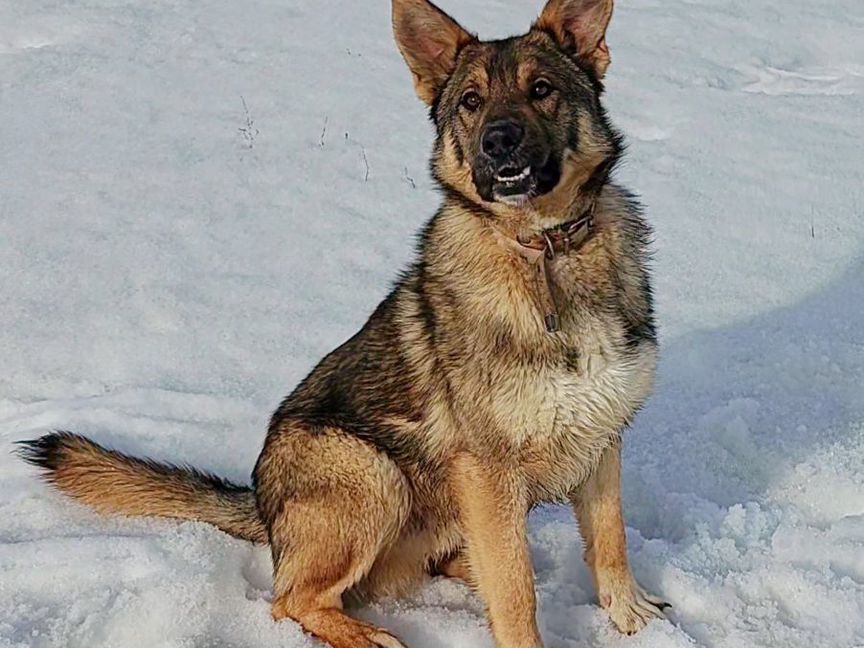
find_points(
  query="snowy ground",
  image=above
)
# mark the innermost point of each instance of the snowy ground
(172, 265)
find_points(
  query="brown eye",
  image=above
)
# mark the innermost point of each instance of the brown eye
(541, 89)
(471, 100)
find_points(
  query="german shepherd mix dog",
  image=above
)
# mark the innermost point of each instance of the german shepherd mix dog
(498, 374)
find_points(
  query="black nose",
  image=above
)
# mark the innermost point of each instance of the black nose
(501, 138)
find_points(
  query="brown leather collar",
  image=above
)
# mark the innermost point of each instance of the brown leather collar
(542, 248)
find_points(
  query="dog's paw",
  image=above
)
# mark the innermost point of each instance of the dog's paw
(383, 639)
(630, 607)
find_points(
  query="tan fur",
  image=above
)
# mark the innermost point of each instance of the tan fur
(429, 40)
(581, 25)
(335, 628)
(597, 505)
(418, 447)
(459, 568)
(540, 458)
(113, 483)
(493, 507)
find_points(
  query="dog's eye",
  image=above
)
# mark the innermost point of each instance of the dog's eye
(541, 89)
(471, 100)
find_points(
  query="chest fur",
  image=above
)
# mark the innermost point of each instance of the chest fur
(556, 413)
(551, 402)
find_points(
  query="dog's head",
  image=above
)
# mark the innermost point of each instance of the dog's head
(519, 119)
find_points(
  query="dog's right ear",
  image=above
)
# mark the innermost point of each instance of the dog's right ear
(430, 41)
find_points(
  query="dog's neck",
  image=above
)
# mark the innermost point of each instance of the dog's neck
(559, 239)
(541, 248)
(557, 224)
(538, 218)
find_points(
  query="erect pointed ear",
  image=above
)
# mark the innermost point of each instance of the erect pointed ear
(430, 41)
(580, 27)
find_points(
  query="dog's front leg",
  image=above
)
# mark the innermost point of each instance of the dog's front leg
(493, 511)
(597, 504)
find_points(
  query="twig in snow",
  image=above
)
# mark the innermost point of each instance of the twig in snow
(365, 162)
(248, 131)
(323, 133)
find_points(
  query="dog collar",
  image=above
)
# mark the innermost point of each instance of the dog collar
(542, 248)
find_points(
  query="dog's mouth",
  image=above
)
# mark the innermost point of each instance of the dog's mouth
(512, 184)
(516, 183)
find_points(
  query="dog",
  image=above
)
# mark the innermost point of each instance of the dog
(498, 374)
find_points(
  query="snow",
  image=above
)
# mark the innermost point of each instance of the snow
(173, 263)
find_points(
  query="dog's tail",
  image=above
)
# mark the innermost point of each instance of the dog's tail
(112, 482)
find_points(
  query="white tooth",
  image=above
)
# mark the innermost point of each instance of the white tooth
(522, 175)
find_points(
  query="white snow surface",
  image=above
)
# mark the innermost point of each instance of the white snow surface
(173, 263)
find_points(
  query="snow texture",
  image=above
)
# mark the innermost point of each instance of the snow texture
(200, 199)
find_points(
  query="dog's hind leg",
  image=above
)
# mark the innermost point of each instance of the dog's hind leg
(459, 568)
(332, 505)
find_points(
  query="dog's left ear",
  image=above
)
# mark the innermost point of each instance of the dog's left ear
(430, 41)
(580, 27)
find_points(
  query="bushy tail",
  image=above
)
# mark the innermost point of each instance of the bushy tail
(111, 482)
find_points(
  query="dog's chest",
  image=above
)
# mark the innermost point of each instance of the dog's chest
(560, 415)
